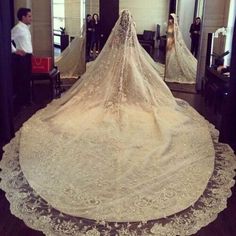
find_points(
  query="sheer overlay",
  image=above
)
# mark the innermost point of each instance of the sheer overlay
(71, 62)
(181, 65)
(117, 154)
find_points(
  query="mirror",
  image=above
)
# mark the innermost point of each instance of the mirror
(187, 18)
(68, 18)
(92, 22)
(182, 45)
(156, 21)
(216, 15)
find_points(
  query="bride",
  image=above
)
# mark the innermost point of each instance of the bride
(117, 148)
(181, 65)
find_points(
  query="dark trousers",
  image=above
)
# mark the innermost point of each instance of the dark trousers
(194, 45)
(22, 70)
(94, 41)
(88, 44)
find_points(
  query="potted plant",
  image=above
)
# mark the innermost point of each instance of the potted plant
(63, 30)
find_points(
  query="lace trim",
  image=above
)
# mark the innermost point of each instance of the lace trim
(27, 205)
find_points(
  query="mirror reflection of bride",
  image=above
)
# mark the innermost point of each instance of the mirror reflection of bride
(181, 65)
(115, 150)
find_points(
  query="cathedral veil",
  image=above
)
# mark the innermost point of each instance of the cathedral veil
(117, 154)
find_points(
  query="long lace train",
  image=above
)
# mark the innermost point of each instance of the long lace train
(38, 214)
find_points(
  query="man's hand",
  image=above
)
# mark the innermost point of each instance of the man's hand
(20, 52)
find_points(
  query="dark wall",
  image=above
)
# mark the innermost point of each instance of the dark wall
(228, 125)
(109, 13)
(12, 13)
(172, 6)
(6, 123)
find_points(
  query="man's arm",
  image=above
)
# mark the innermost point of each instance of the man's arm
(19, 52)
(191, 29)
(13, 48)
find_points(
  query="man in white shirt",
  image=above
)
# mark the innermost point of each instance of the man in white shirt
(22, 53)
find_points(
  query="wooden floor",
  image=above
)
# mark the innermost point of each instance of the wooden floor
(224, 225)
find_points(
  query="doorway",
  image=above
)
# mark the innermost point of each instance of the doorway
(109, 13)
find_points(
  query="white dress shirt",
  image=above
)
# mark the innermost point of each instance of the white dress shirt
(21, 35)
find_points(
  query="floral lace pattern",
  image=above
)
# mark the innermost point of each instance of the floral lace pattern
(38, 214)
(118, 172)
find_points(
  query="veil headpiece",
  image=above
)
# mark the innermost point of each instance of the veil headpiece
(124, 29)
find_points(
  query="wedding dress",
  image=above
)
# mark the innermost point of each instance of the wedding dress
(117, 154)
(71, 62)
(181, 65)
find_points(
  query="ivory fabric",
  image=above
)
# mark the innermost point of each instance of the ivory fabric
(71, 62)
(117, 147)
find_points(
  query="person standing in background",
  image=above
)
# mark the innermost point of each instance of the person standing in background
(22, 53)
(95, 33)
(88, 34)
(195, 35)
